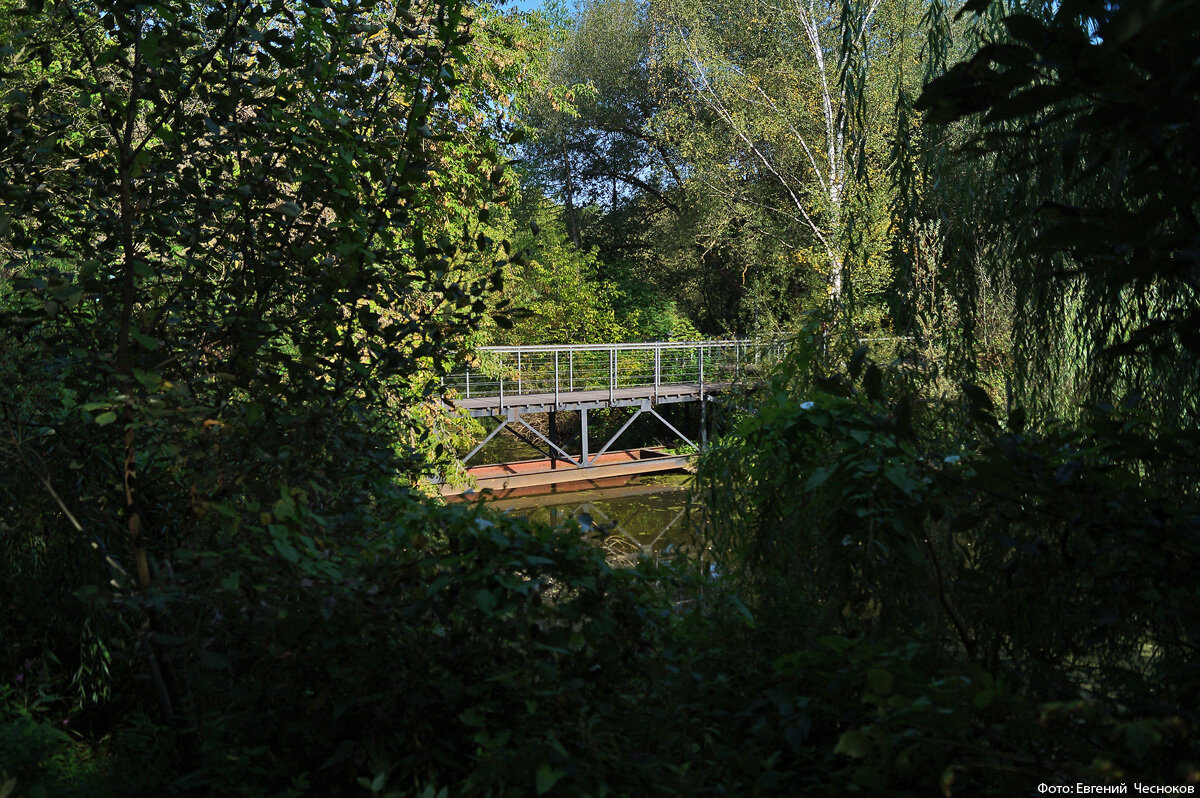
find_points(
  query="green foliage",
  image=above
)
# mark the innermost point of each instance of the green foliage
(436, 651)
(564, 300)
(36, 758)
(1051, 560)
(242, 240)
(230, 283)
(1075, 114)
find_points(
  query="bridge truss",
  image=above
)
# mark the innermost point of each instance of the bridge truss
(509, 382)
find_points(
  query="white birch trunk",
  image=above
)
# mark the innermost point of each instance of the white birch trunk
(829, 174)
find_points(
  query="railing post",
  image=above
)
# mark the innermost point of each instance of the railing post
(612, 374)
(555, 379)
(657, 369)
(468, 382)
(571, 370)
(502, 392)
(701, 373)
(518, 372)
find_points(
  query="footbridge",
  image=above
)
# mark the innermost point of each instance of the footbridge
(512, 382)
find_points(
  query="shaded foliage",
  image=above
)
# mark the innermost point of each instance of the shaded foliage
(1054, 561)
(1076, 112)
(235, 266)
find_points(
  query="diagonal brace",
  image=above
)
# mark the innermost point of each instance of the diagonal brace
(521, 436)
(671, 427)
(482, 443)
(613, 439)
(547, 441)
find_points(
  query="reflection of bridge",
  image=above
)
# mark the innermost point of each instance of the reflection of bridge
(646, 537)
(508, 382)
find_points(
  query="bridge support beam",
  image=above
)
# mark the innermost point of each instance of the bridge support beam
(553, 451)
(484, 442)
(617, 434)
(670, 426)
(583, 435)
(553, 446)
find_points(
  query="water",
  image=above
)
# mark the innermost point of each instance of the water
(646, 515)
(636, 516)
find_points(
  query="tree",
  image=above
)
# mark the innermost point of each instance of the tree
(594, 141)
(785, 94)
(231, 273)
(1079, 111)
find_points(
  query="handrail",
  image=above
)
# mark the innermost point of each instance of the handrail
(609, 368)
(647, 345)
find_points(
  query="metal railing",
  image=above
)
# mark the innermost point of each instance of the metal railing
(502, 371)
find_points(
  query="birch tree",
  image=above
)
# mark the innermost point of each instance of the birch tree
(784, 85)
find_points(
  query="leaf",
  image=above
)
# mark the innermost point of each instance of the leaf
(854, 744)
(547, 777)
(140, 161)
(286, 550)
(1026, 28)
(972, 7)
(879, 681)
(150, 380)
(104, 419)
(744, 611)
(437, 585)
(473, 717)
(818, 478)
(145, 340)
(898, 476)
(856, 361)
(978, 398)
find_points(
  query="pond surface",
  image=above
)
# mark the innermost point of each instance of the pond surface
(643, 515)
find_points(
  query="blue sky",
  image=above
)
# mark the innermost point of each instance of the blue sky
(524, 5)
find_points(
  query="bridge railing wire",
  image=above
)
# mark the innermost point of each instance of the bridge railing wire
(529, 370)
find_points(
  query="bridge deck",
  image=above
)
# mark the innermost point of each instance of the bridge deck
(587, 400)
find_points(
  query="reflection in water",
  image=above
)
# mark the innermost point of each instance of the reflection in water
(634, 516)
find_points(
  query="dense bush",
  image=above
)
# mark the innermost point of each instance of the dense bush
(1043, 576)
(457, 649)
